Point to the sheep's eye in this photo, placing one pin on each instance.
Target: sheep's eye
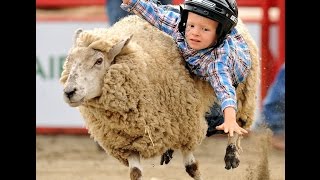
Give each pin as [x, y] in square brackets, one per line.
[98, 61]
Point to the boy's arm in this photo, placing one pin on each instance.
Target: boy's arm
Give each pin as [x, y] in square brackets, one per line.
[226, 94]
[159, 17]
[220, 80]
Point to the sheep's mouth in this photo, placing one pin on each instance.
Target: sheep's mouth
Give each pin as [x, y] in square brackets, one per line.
[75, 103]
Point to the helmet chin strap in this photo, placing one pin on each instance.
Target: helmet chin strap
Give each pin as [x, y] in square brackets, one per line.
[219, 35]
[183, 20]
[214, 43]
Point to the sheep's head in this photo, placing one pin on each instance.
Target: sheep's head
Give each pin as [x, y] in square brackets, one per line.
[86, 65]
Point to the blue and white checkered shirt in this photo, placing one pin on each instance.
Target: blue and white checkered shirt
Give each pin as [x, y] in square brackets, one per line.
[223, 67]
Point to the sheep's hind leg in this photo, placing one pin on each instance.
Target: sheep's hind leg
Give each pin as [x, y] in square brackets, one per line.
[166, 157]
[191, 165]
[135, 167]
[231, 158]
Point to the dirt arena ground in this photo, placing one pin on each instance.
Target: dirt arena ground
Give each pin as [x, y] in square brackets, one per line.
[72, 157]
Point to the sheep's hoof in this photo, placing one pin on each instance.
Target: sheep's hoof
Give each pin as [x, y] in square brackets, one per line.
[231, 158]
[135, 174]
[166, 157]
[193, 170]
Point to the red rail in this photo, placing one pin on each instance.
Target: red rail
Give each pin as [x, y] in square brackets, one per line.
[269, 63]
[60, 130]
[282, 36]
[67, 3]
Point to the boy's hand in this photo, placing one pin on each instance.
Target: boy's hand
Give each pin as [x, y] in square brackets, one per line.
[230, 124]
[125, 1]
[231, 127]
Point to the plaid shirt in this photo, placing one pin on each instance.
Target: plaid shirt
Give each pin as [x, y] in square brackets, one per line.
[223, 67]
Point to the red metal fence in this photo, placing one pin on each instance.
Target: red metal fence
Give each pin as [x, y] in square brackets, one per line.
[269, 63]
[67, 3]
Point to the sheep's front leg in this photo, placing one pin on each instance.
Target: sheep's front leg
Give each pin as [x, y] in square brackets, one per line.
[191, 165]
[231, 158]
[135, 167]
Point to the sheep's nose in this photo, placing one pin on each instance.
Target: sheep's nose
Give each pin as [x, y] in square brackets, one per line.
[70, 93]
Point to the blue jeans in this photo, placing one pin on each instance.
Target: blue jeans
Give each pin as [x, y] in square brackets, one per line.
[115, 13]
[214, 118]
[273, 109]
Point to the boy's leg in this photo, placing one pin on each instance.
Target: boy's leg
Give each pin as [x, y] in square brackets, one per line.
[214, 118]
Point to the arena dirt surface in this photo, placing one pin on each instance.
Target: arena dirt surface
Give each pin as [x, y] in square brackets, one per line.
[74, 157]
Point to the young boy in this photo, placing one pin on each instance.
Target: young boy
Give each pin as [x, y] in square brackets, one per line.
[212, 48]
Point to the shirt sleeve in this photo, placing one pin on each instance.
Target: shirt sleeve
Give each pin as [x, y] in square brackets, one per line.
[230, 65]
[220, 78]
[159, 16]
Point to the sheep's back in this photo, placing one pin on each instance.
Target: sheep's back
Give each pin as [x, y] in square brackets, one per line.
[152, 101]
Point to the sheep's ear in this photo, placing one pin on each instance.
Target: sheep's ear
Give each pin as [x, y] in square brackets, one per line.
[116, 49]
[76, 35]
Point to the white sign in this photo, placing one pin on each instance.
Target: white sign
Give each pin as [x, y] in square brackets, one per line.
[53, 40]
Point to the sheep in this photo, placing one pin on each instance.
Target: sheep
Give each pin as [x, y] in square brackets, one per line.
[138, 100]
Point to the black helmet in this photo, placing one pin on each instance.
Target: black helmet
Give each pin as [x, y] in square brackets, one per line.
[223, 11]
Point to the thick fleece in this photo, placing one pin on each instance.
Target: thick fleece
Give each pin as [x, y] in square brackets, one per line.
[150, 102]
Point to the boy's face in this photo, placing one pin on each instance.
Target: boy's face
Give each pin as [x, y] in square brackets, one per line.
[200, 31]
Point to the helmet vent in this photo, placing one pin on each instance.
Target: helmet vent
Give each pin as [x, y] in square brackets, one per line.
[219, 10]
[208, 3]
[204, 2]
